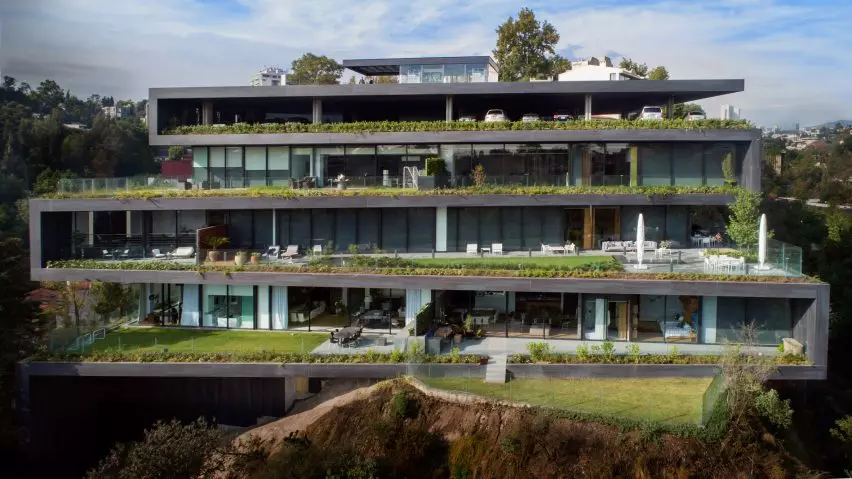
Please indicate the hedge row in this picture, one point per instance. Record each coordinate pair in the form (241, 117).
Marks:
(370, 357)
(438, 126)
(706, 359)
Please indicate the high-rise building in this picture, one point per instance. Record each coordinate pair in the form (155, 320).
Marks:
(729, 112)
(269, 76)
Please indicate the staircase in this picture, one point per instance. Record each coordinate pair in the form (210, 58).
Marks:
(495, 370)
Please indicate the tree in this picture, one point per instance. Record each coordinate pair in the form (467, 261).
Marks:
(658, 73)
(22, 328)
(176, 152)
(639, 69)
(526, 48)
(70, 303)
(310, 69)
(744, 221)
(112, 297)
(48, 97)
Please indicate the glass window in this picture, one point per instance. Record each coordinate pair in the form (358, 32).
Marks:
(655, 164)
(240, 229)
(455, 74)
(610, 164)
(553, 225)
(477, 73)
(300, 229)
(453, 230)
(262, 229)
(416, 156)
(301, 162)
(323, 228)
(346, 229)
(409, 73)
(688, 164)
(361, 165)
(462, 165)
(279, 165)
(234, 165)
(489, 226)
(432, 74)
(491, 157)
(771, 317)
(421, 229)
(217, 166)
(677, 225)
(368, 227)
(255, 166)
(532, 228)
(283, 226)
(511, 234)
(228, 306)
(394, 229)
(468, 227)
(713, 159)
(390, 159)
(199, 165)
(333, 161)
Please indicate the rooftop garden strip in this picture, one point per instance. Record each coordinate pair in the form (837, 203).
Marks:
(603, 271)
(188, 340)
(287, 192)
(438, 126)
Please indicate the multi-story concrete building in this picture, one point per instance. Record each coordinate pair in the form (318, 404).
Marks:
(321, 203)
(730, 112)
(269, 76)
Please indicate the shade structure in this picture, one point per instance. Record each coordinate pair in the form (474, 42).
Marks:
(640, 243)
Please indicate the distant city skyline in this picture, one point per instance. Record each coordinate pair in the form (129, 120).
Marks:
(786, 50)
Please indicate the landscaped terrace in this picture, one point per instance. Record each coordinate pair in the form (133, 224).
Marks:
(437, 126)
(783, 263)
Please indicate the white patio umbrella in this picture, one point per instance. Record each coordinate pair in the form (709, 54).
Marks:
(640, 243)
(761, 244)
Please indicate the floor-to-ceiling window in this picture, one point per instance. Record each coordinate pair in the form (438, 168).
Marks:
(279, 166)
(226, 306)
(255, 165)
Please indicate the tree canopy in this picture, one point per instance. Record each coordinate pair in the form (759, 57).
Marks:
(310, 69)
(526, 48)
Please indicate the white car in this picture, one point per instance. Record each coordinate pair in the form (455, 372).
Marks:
(496, 115)
(530, 117)
(651, 113)
(695, 115)
(467, 118)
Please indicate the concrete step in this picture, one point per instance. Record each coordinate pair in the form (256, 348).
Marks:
(495, 371)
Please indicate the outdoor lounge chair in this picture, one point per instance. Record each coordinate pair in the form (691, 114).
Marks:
(497, 248)
(291, 251)
(271, 252)
(184, 252)
(317, 249)
(472, 248)
(156, 253)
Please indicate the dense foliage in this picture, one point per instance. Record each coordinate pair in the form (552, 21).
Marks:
(439, 126)
(654, 193)
(526, 49)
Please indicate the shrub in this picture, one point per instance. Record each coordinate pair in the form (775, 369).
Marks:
(455, 355)
(436, 166)
(633, 352)
(768, 405)
(608, 350)
(582, 352)
(479, 175)
(540, 350)
(843, 433)
(402, 406)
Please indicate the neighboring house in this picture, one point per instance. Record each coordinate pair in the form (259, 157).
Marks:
(697, 312)
(596, 69)
(269, 76)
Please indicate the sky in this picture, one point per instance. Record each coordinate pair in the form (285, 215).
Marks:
(793, 54)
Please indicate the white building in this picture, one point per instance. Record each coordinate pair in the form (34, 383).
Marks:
(729, 112)
(111, 111)
(269, 76)
(596, 69)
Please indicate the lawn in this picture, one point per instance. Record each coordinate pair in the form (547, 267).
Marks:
(209, 340)
(514, 261)
(666, 400)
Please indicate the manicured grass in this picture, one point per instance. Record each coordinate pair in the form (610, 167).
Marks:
(666, 400)
(513, 261)
(178, 340)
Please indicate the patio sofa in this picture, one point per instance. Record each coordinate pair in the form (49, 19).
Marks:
(302, 316)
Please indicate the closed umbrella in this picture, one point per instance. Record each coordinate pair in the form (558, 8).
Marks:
(640, 243)
(761, 244)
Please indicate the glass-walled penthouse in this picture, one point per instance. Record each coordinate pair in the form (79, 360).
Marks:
(470, 69)
(580, 164)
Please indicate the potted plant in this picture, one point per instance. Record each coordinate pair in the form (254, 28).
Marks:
(240, 258)
(434, 175)
(665, 244)
(255, 258)
(215, 242)
(341, 181)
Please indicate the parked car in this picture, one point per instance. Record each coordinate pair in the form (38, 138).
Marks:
(467, 118)
(496, 115)
(562, 115)
(696, 115)
(530, 117)
(651, 113)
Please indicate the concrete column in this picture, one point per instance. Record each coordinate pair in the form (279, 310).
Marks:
(441, 228)
(670, 108)
(449, 107)
(128, 224)
(207, 112)
(91, 233)
(317, 111)
(274, 226)
(588, 107)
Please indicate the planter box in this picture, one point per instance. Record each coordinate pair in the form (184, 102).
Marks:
(426, 183)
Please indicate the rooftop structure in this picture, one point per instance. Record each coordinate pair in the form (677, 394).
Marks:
(315, 211)
(269, 76)
(596, 69)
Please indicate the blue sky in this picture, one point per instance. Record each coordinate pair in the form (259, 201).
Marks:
(793, 54)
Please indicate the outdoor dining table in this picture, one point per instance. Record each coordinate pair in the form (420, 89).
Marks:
(347, 333)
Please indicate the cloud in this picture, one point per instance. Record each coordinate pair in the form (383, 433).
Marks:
(791, 53)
